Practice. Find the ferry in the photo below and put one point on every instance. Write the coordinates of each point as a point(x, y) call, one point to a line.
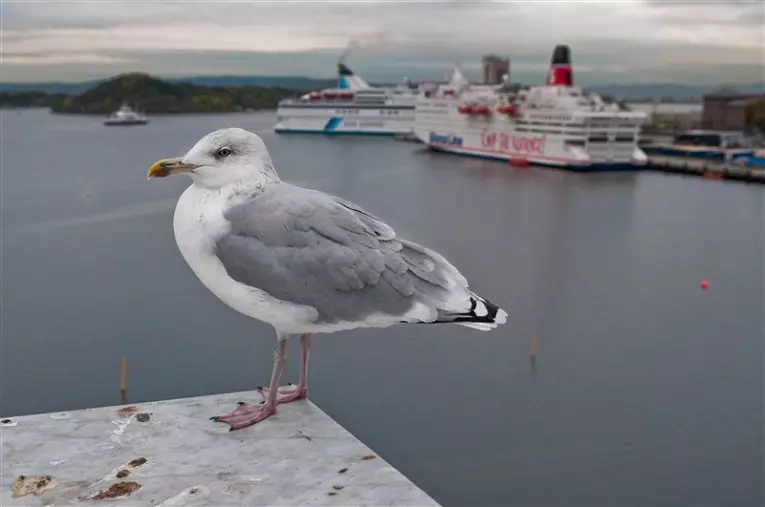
point(555, 124)
point(352, 107)
point(125, 116)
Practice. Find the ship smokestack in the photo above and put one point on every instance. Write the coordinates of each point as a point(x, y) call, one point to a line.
point(347, 80)
point(344, 76)
point(343, 70)
point(561, 72)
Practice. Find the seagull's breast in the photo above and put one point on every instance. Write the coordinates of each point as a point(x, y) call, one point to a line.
point(198, 223)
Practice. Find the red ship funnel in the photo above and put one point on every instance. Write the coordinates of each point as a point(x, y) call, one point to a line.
point(561, 73)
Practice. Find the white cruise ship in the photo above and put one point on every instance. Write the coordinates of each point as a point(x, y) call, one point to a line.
point(554, 125)
point(353, 107)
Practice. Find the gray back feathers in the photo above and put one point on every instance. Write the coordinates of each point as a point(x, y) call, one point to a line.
point(310, 248)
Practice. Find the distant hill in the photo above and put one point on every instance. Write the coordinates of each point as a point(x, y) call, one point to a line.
point(27, 99)
point(154, 95)
point(287, 82)
point(670, 91)
point(67, 88)
point(630, 92)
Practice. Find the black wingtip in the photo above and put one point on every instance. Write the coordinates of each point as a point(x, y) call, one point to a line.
point(490, 317)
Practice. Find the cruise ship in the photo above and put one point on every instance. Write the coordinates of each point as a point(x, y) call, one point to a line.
point(555, 124)
point(353, 107)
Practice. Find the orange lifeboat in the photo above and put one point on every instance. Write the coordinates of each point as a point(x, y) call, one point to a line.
point(507, 109)
point(466, 109)
point(330, 95)
point(345, 96)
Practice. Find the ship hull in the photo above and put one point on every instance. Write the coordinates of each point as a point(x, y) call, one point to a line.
point(498, 138)
point(345, 120)
point(124, 123)
point(568, 165)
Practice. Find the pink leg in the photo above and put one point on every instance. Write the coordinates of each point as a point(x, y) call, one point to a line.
point(246, 414)
point(289, 393)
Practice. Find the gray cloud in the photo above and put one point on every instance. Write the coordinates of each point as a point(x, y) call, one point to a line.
point(611, 42)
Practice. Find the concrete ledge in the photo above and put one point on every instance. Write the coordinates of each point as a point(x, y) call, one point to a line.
point(169, 453)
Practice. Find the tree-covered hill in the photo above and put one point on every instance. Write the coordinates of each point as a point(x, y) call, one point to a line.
point(152, 95)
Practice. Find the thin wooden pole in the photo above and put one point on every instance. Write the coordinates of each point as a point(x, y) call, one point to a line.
point(123, 380)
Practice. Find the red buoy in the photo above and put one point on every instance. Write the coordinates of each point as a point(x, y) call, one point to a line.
point(704, 285)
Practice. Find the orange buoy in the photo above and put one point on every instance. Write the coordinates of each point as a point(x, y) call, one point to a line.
point(704, 285)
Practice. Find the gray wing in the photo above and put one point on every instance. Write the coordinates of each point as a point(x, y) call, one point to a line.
point(306, 247)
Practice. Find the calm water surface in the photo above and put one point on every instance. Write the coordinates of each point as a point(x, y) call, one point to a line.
point(646, 391)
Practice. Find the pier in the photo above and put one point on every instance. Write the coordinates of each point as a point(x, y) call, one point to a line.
point(169, 453)
point(706, 168)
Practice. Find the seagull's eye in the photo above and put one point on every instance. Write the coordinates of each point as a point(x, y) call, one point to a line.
point(223, 152)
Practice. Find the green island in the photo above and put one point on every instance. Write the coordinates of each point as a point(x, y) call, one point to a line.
point(152, 95)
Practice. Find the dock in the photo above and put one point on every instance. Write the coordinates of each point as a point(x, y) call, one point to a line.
point(706, 168)
point(169, 453)
point(408, 137)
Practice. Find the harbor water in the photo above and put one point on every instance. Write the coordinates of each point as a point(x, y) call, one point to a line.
point(646, 389)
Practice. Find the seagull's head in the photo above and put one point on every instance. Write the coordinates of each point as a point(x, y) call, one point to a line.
point(222, 158)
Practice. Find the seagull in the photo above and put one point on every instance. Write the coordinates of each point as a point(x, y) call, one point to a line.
point(303, 261)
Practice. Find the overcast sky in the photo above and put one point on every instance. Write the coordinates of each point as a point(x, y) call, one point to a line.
point(612, 42)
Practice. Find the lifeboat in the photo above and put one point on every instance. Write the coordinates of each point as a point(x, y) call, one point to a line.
point(482, 110)
point(507, 109)
point(448, 93)
point(345, 96)
point(329, 95)
point(466, 109)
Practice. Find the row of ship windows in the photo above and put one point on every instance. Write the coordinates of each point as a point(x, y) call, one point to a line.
point(550, 118)
point(597, 135)
point(349, 112)
point(579, 131)
point(582, 125)
point(569, 125)
point(593, 140)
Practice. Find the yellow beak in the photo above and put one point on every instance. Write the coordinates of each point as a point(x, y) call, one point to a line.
point(168, 166)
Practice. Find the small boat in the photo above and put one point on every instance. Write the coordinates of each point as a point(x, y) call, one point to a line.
point(125, 116)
